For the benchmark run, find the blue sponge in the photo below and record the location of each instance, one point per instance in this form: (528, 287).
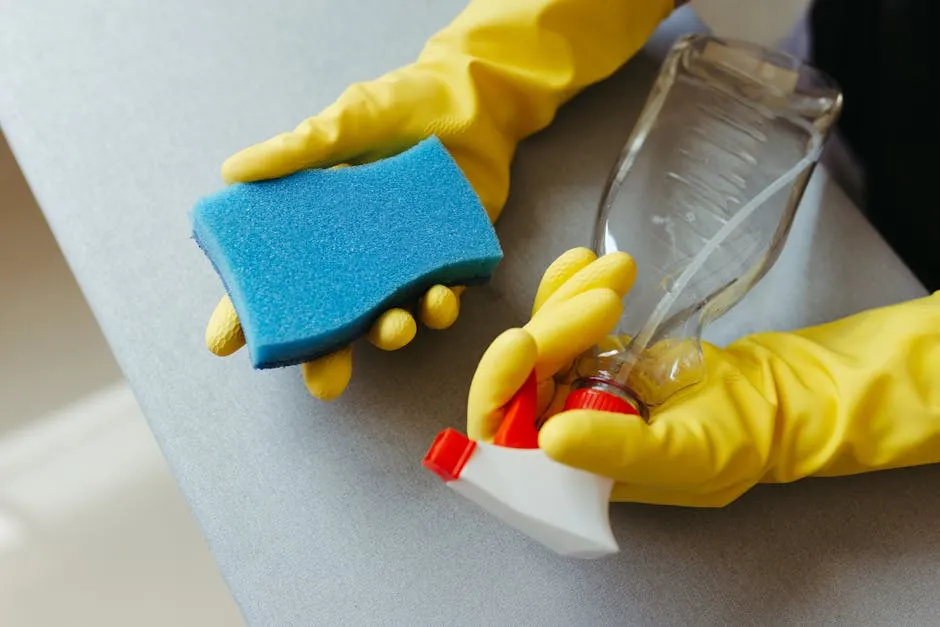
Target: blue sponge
(312, 259)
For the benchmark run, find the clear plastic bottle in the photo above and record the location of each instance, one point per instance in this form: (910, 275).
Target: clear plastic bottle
(702, 197)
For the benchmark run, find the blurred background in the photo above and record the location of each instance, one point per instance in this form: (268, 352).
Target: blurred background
(93, 530)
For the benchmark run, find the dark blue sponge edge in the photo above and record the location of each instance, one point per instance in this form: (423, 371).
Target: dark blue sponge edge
(356, 329)
(477, 274)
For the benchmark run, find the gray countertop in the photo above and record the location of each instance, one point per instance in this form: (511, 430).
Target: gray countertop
(120, 114)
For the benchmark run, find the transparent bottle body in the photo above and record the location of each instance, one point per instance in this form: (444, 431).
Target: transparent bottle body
(703, 197)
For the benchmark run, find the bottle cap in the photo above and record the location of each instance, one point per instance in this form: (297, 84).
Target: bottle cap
(598, 400)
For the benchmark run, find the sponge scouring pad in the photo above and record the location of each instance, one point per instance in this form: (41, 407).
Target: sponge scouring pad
(312, 259)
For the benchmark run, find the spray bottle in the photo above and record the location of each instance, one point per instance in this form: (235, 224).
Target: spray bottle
(703, 197)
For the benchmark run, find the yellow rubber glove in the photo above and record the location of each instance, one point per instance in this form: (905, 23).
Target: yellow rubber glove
(495, 75)
(852, 396)
(577, 304)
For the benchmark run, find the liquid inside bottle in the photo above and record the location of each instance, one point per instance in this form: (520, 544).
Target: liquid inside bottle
(703, 197)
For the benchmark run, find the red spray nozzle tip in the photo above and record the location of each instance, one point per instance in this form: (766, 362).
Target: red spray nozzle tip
(448, 454)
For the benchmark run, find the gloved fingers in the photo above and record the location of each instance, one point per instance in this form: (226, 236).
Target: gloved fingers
(440, 307)
(569, 328)
(224, 333)
(364, 119)
(560, 270)
(615, 271)
(630, 493)
(502, 370)
(680, 451)
(327, 377)
(393, 330)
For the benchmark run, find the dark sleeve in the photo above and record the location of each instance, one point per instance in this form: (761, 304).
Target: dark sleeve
(884, 54)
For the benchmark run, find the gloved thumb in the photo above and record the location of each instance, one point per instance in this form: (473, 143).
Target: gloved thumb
(367, 122)
(668, 453)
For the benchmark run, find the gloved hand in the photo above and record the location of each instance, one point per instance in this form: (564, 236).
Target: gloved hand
(577, 304)
(852, 396)
(495, 75)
